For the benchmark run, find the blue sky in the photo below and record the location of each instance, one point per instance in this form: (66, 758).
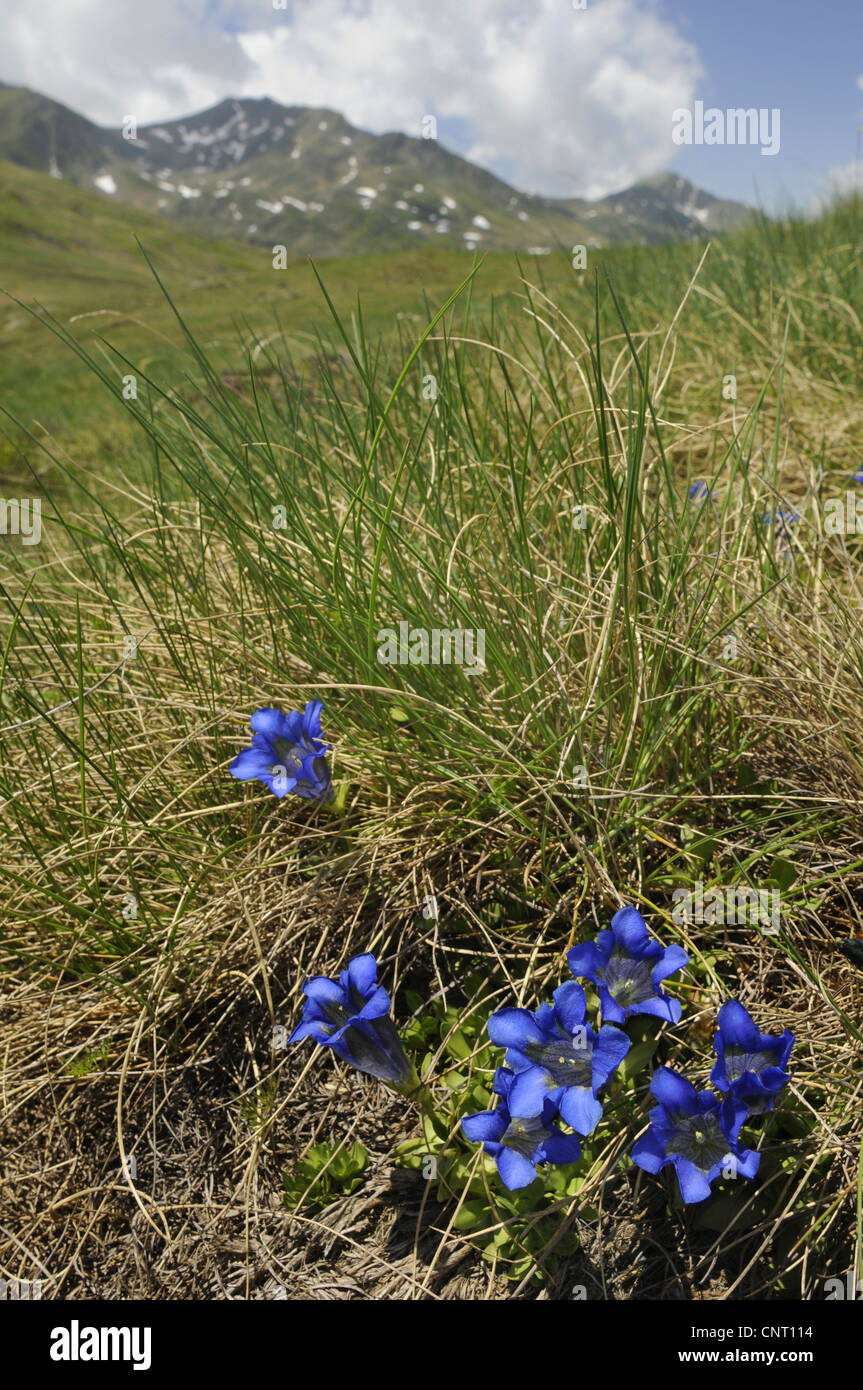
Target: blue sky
(558, 100)
(803, 57)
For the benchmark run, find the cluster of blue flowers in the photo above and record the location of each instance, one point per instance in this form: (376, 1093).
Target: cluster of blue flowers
(555, 1064)
(556, 1067)
(697, 1132)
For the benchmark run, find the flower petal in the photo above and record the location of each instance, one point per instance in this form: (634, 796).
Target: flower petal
(515, 1170)
(570, 1005)
(279, 783)
(773, 1079)
(562, 1148)
(648, 1152)
(312, 718)
(673, 958)
(785, 1043)
(630, 930)
(486, 1127)
(252, 762)
(324, 991)
(310, 1028)
(733, 1111)
(586, 961)
(513, 1028)
(377, 1004)
(363, 973)
(747, 1162)
(611, 1010)
(737, 1027)
(529, 1092)
(609, 1050)
(694, 1185)
(502, 1082)
(580, 1108)
(545, 1018)
(271, 722)
(660, 1007)
(674, 1091)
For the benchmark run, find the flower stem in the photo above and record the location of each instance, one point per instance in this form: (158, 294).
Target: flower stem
(424, 1100)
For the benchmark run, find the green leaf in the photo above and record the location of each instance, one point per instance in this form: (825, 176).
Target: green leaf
(783, 872)
(474, 1213)
(637, 1059)
(459, 1047)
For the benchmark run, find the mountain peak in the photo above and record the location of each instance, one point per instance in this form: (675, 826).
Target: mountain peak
(254, 169)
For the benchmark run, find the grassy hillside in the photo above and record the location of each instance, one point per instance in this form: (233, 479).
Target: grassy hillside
(82, 259)
(274, 509)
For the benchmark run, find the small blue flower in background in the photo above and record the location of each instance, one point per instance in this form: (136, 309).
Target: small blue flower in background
(782, 519)
(696, 1132)
(557, 1057)
(351, 1015)
(518, 1144)
(700, 492)
(287, 753)
(749, 1064)
(627, 967)
(857, 477)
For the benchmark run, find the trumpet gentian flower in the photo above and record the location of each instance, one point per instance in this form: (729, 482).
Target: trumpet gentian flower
(518, 1144)
(696, 1132)
(557, 1057)
(749, 1064)
(350, 1015)
(627, 967)
(287, 753)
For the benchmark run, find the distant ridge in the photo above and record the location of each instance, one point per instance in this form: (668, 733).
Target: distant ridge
(257, 171)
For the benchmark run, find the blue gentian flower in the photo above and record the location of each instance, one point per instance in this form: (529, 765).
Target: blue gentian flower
(700, 492)
(557, 1057)
(696, 1132)
(628, 967)
(351, 1015)
(518, 1144)
(857, 477)
(781, 519)
(749, 1064)
(287, 753)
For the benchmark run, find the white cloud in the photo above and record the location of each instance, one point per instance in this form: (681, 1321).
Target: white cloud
(113, 58)
(839, 182)
(559, 101)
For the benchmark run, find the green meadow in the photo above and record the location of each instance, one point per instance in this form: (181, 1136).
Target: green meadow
(245, 475)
